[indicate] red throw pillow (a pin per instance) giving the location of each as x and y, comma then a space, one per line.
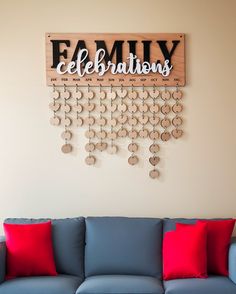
29, 250
219, 233
184, 253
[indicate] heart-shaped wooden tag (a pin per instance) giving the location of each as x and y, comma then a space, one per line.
65, 94
133, 121
154, 135
177, 121
89, 106
101, 95
89, 94
112, 122
55, 120
112, 135
143, 95
177, 94
143, 133
112, 149
143, 119
101, 108
101, 146
66, 148
90, 147
122, 119
154, 120
132, 95
112, 107
165, 109
122, 133
154, 160
132, 160
54, 106
101, 134
133, 134
154, 108
122, 93
132, 108
78, 108
111, 95
177, 108
133, 147
165, 95
143, 107
154, 148
154, 174
89, 134
90, 120
66, 108
165, 123
66, 121
154, 93
90, 160
165, 136
78, 121
66, 135
55, 94
122, 107
177, 133
101, 121
77, 95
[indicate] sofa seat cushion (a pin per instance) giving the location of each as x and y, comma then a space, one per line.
211, 285
61, 284
121, 284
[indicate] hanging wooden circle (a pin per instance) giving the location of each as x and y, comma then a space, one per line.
101, 95
154, 93
78, 108
165, 109
122, 133
112, 107
154, 135
90, 120
66, 108
177, 133
112, 135
90, 160
89, 94
177, 121
143, 108
55, 121
102, 108
121, 93
177, 94
154, 160
132, 95
78, 121
143, 133
133, 147
66, 135
89, 134
66, 148
154, 120
154, 148
66, 121
143, 94
101, 121
77, 94
133, 121
55, 95
133, 159
132, 108
143, 120
89, 106
133, 134
154, 108
65, 94
122, 119
165, 136
101, 134
54, 106
177, 107
165, 122
101, 146
154, 174
112, 149
90, 147
111, 95
112, 122
165, 95
122, 107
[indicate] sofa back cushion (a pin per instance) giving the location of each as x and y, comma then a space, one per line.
120, 245
68, 243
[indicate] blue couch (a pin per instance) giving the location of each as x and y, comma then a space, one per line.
101, 255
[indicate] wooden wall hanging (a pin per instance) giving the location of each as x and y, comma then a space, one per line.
117, 86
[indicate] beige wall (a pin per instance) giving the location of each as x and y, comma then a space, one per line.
198, 172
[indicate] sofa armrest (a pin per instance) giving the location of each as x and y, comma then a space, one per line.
2, 259
232, 260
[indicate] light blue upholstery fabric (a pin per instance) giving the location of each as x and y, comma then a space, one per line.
68, 243
232, 260
2, 259
211, 285
121, 284
121, 245
41, 285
